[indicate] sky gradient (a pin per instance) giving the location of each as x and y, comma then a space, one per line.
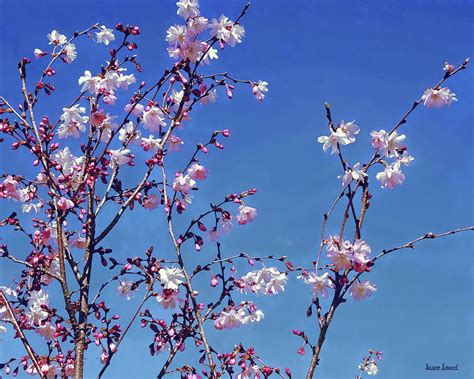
370, 60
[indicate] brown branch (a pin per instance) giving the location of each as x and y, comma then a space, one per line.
122, 336
189, 286
20, 333
408, 245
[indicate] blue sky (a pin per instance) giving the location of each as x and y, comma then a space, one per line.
369, 60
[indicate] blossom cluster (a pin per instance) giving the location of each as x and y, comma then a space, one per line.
183, 38
390, 145
266, 281
369, 364
346, 255
344, 134
233, 317
387, 145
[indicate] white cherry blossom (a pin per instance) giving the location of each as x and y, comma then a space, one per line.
105, 35
171, 277
56, 38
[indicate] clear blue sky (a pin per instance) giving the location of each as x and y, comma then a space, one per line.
370, 60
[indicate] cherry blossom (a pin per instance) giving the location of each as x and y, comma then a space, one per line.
246, 214
405, 159
129, 132
183, 183
70, 50
105, 35
267, 281
362, 290
188, 8
448, 67
97, 118
9, 188
168, 298
8, 291
78, 242
319, 284
354, 173
119, 157
351, 129
370, 368
259, 89
438, 97
46, 330
250, 372
171, 277
37, 302
233, 318
339, 253
136, 109
153, 119
379, 139
206, 55
73, 122
174, 143
211, 97
360, 252
337, 137
197, 24
226, 30
39, 53
197, 172
151, 202
114, 79
55, 38
394, 144
104, 357
89, 83
65, 204
388, 144
151, 143
126, 290
391, 176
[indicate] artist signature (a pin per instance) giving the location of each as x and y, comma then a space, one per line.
442, 367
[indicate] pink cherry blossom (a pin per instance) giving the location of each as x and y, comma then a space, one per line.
153, 119
233, 318
175, 143
354, 173
246, 214
65, 204
151, 202
391, 177
183, 183
135, 109
9, 188
197, 172
126, 290
259, 89
319, 284
188, 8
360, 252
438, 97
168, 298
362, 290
